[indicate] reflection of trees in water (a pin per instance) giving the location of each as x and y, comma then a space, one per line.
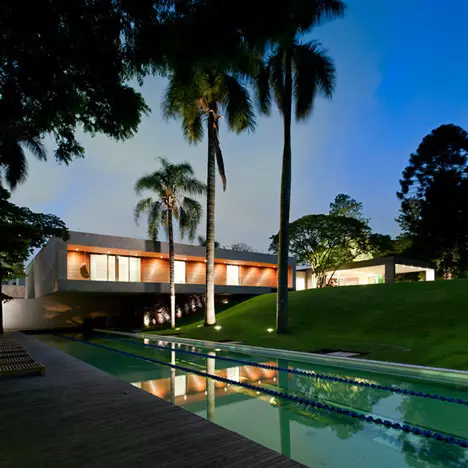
421, 452
431, 453
340, 394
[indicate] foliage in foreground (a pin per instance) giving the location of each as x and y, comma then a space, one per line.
21, 232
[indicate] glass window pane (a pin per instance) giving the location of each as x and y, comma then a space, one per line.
98, 265
232, 275
135, 267
111, 267
123, 268
179, 272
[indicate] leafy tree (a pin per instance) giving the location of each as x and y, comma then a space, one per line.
344, 205
200, 98
325, 242
65, 65
434, 192
21, 232
295, 71
171, 184
242, 247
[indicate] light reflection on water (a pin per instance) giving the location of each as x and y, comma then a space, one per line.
314, 438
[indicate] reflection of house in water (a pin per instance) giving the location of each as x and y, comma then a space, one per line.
193, 388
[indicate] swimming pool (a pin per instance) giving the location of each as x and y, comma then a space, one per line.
320, 416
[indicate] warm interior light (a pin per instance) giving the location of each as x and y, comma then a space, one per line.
76, 250
108, 251
185, 259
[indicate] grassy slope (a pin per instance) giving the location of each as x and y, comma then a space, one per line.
418, 323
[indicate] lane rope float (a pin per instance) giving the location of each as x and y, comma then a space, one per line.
296, 399
314, 375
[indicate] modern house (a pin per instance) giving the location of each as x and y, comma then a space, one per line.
93, 275
373, 271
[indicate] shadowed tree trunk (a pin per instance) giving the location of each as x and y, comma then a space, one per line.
210, 318
170, 229
1, 302
282, 320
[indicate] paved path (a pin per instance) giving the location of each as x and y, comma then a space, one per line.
79, 416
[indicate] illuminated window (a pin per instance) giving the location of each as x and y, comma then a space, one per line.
123, 269
180, 387
179, 272
232, 275
111, 267
98, 265
135, 269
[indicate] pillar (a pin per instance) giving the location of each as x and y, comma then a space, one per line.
390, 271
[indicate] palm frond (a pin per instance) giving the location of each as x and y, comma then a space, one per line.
314, 73
155, 218
263, 89
275, 65
237, 104
192, 126
141, 207
220, 160
190, 214
193, 186
152, 182
35, 146
14, 162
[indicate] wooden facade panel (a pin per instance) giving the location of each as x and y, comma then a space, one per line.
220, 272
154, 270
258, 276
75, 262
195, 272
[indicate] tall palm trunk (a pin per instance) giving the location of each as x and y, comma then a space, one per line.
283, 250
210, 318
170, 229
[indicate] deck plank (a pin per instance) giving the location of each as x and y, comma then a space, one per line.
79, 416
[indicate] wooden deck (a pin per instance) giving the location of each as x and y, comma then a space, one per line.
79, 416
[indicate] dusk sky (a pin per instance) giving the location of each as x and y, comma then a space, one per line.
402, 69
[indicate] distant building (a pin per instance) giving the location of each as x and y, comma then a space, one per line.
374, 271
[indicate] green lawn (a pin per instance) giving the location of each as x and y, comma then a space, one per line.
417, 323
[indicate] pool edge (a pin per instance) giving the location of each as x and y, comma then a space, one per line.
442, 375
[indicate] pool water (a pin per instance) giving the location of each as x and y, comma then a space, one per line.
314, 437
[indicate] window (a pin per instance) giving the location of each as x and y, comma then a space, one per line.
179, 272
232, 275
111, 267
123, 269
98, 267
135, 268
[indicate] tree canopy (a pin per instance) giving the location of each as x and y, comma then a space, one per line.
344, 205
65, 67
325, 242
434, 196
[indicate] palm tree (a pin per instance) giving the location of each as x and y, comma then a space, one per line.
295, 71
171, 184
201, 99
13, 162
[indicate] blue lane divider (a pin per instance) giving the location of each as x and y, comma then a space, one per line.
295, 399
314, 375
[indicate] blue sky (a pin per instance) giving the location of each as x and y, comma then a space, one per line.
402, 70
